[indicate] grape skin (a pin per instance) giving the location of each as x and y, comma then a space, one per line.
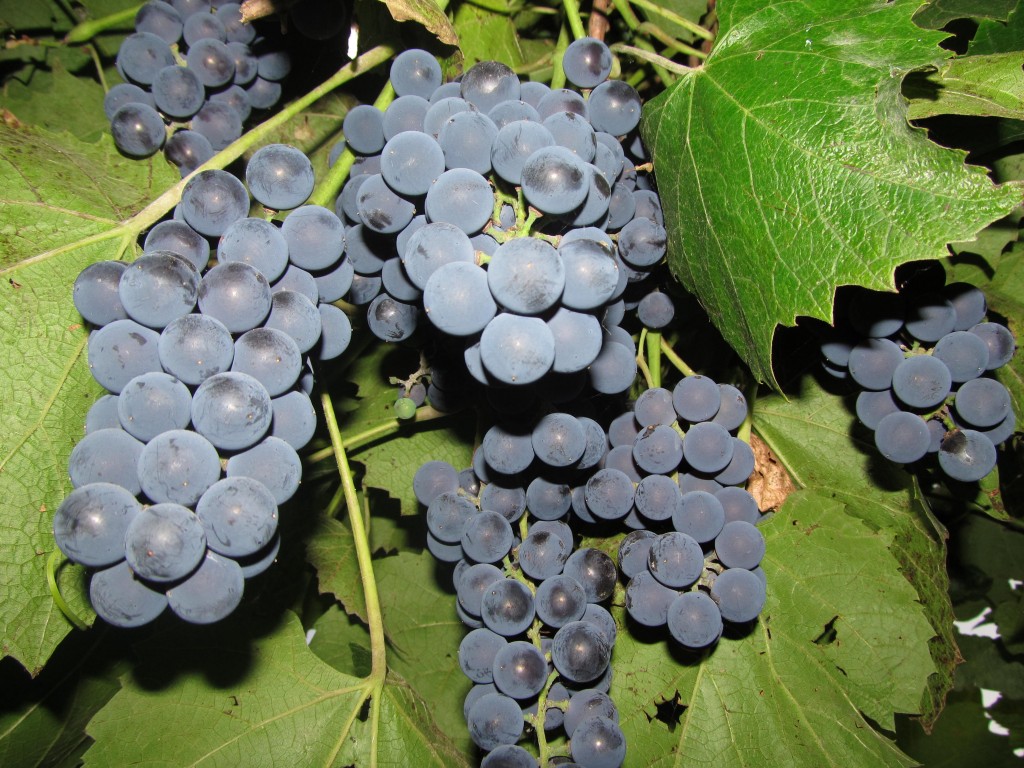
91, 521
164, 542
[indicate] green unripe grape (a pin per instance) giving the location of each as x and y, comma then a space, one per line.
405, 408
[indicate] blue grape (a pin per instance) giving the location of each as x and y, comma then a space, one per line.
561, 100
614, 369
929, 317
542, 555
707, 447
694, 620
555, 180
187, 150
983, 403
642, 243
487, 537
212, 200
1000, 342
270, 356
164, 542
507, 607
526, 276
120, 351
461, 197
609, 494
138, 130
159, 287
178, 92
211, 593
442, 109
512, 111
274, 463
573, 132
246, 67
494, 720
738, 504
902, 437
512, 755
232, 410
406, 113
103, 414
263, 94
160, 19
594, 570
614, 107
559, 440
598, 743
236, 294
367, 250
740, 595
336, 333
634, 552
466, 140
410, 162
239, 515
152, 403
294, 420
873, 406
91, 521
141, 56
520, 669
922, 381
120, 598
476, 654
588, 703
279, 176
334, 283
964, 353
178, 237
587, 62
533, 91
733, 410
274, 64
647, 600
294, 314
434, 478
448, 514
391, 320
236, 97
199, 26
415, 71
96, 294
676, 559
194, 347
396, 281
968, 302
488, 83
591, 274
220, 123
577, 337
656, 310
125, 93
514, 144
740, 545
298, 281
580, 652
657, 497
548, 500
364, 129
700, 514
475, 581
212, 61
431, 247
517, 350
740, 466
177, 467
380, 209
658, 449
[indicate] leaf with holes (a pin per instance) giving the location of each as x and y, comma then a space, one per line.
794, 170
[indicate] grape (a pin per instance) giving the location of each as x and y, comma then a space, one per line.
125, 93
236, 294
137, 129
573, 132
164, 542
211, 593
740, 467
738, 504
929, 317
708, 447
461, 197
968, 302
220, 123
300, 281
397, 283
456, 299
902, 437
694, 620
406, 113
873, 362
642, 243
475, 581
121, 599
676, 559
739, 593
658, 449
580, 652
237, 98
194, 347
106, 456
609, 494
447, 516
647, 600
586, 704
487, 537
274, 463
598, 743
696, 398
594, 570
872, 407
336, 333
578, 340
178, 92
488, 83
188, 150
334, 283
141, 56
279, 176
212, 200
510, 502
466, 139
410, 163
415, 72
239, 515
507, 607
513, 111
152, 403
294, 420
656, 310
876, 314
614, 369
964, 353
364, 129
559, 440
235, 30
90, 523
434, 478
270, 356
199, 26
295, 315
179, 238
689, 482
532, 91
441, 109
212, 61
493, 720
922, 381
587, 62
520, 669
700, 514
555, 180
431, 247
391, 320
591, 274
547, 500
526, 276
158, 287
380, 209
476, 654
512, 755
657, 497
246, 67
983, 403
103, 414
263, 94
178, 466
96, 294
542, 555
1000, 343
513, 144
740, 545
232, 410
517, 350
561, 100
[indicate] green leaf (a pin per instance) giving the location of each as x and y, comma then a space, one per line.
962, 730
487, 36
993, 36
342, 641
984, 86
794, 171
812, 435
425, 13
693, 10
332, 553
61, 206
234, 695
840, 621
52, 94
938, 13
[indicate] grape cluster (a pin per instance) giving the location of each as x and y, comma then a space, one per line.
185, 462
201, 69
924, 359
510, 216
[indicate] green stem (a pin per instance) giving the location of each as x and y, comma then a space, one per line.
378, 651
641, 358
87, 30
675, 18
558, 74
627, 13
666, 39
653, 58
58, 598
329, 186
676, 360
494, 7
542, 705
572, 15
376, 432
95, 56
654, 356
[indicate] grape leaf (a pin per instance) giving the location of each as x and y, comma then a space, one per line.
962, 730
812, 435
793, 169
995, 37
427, 14
52, 95
224, 697
985, 86
332, 553
487, 36
692, 10
938, 13
850, 632
57, 191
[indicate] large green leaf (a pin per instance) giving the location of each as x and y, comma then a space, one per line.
61, 205
936, 14
984, 86
812, 435
793, 169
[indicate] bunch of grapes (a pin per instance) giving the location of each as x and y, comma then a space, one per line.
178, 480
925, 359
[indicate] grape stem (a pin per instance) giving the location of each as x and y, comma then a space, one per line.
557, 73
650, 56
542, 705
641, 361
58, 599
675, 18
386, 428
675, 359
87, 30
572, 15
653, 30
654, 356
